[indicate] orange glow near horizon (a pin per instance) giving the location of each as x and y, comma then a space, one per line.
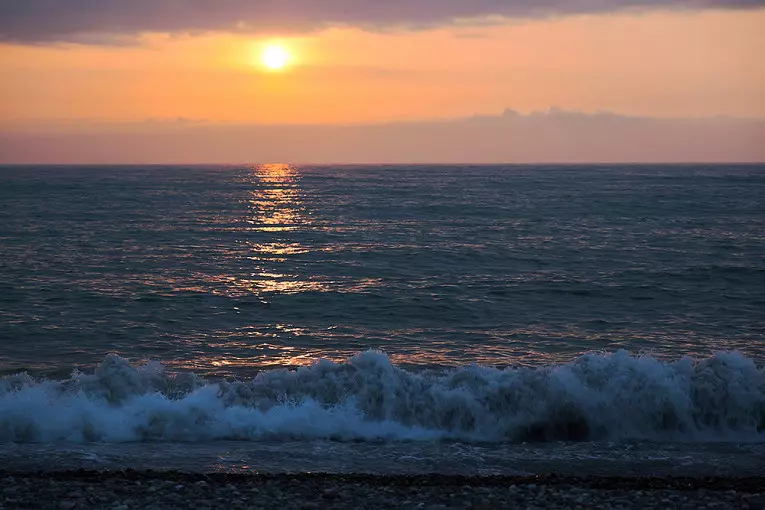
656, 64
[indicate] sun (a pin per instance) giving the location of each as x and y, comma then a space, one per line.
275, 57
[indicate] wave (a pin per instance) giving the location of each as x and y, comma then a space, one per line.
597, 397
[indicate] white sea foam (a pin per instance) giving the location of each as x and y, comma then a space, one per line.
615, 396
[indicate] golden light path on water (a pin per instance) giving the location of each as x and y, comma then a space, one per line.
279, 257
274, 208
228, 270
271, 238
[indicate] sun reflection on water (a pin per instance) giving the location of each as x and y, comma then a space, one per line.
269, 238
275, 203
276, 215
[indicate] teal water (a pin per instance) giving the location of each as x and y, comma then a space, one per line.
617, 306
227, 270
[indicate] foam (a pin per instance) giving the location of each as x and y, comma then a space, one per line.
598, 396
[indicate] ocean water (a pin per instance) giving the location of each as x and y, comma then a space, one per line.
487, 319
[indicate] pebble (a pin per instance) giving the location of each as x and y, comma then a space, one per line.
167, 490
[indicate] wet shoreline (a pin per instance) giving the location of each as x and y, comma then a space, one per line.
129, 489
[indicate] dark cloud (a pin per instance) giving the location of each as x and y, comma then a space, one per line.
30, 21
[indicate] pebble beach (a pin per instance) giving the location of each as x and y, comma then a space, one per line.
126, 490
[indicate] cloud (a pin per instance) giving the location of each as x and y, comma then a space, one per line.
36, 21
555, 136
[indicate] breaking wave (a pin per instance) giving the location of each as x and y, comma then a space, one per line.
616, 396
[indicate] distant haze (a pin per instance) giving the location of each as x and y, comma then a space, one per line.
554, 136
369, 81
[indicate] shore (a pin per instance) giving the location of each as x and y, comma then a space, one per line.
126, 490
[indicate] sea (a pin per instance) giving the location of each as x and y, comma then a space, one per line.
478, 320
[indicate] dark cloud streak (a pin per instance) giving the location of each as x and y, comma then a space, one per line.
39, 21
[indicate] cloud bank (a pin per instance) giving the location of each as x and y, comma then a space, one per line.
34, 21
556, 136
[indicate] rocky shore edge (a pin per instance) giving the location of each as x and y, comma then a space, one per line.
155, 490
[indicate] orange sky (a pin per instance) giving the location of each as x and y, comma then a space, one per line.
652, 64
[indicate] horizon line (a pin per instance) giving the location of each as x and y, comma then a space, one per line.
368, 164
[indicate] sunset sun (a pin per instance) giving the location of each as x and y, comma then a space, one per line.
431, 242
275, 57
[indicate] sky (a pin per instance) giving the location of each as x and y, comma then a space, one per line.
182, 81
